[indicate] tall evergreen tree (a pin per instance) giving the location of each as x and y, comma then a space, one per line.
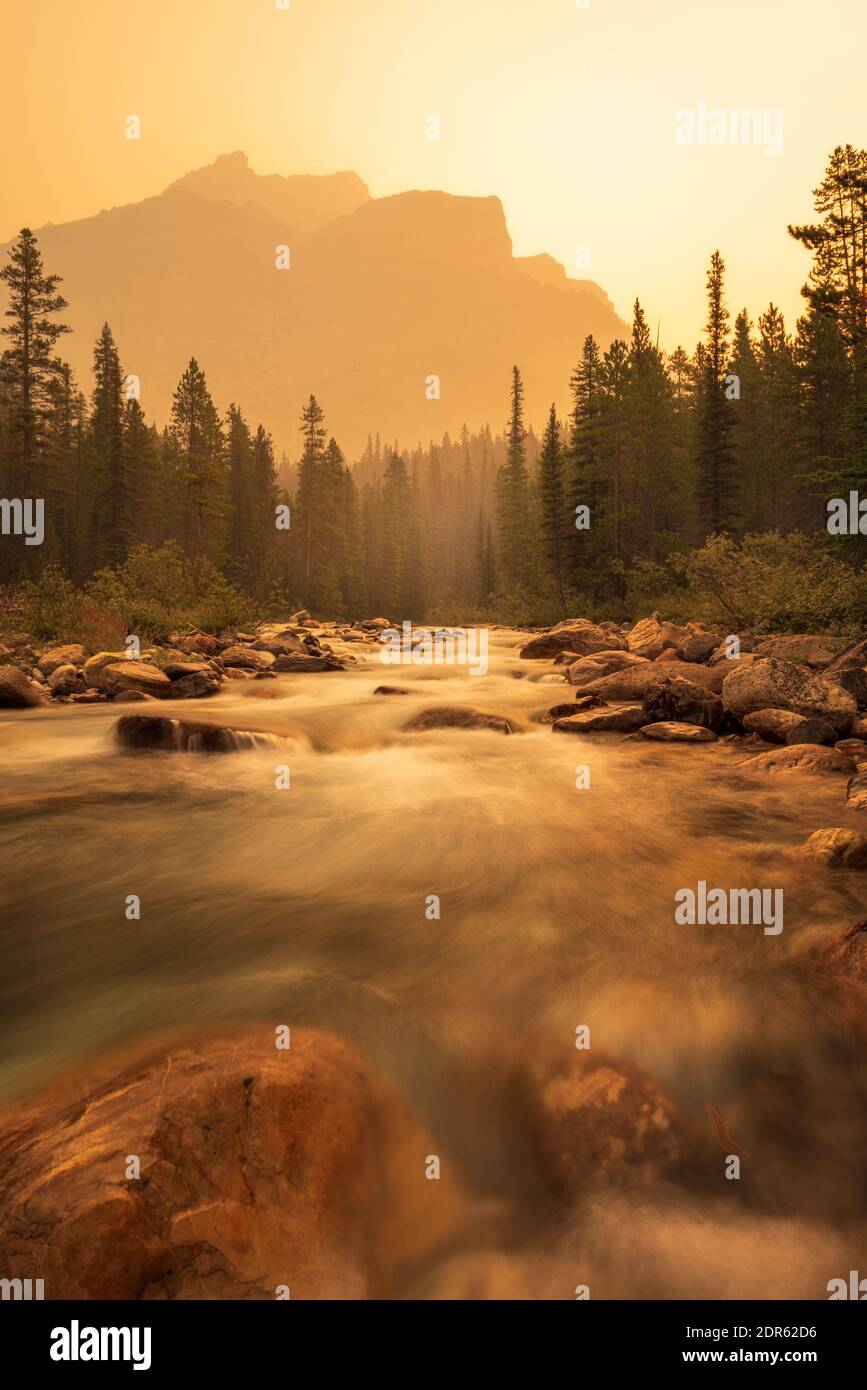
716, 472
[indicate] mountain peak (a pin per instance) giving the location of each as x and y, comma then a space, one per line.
303, 202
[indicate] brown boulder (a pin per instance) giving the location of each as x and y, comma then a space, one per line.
66, 680
838, 848
599, 1120
651, 636
592, 668
802, 757
678, 700
576, 635
457, 717
70, 655
260, 1169
768, 683
247, 658
634, 683
625, 720
674, 732
17, 692
802, 648
134, 675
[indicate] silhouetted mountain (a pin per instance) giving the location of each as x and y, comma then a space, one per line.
381, 295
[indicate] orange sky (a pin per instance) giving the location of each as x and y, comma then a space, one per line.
568, 114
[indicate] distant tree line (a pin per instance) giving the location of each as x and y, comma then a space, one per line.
748, 434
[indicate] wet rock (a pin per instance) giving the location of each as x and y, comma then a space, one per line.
375, 624
176, 670
845, 955
576, 706
134, 675
577, 635
768, 683
259, 1169
600, 1120
89, 697
301, 664
247, 658
457, 717
132, 697
652, 636
592, 668
200, 684
391, 690
141, 732
71, 655
637, 681
624, 720
838, 848
802, 757
17, 692
854, 655
94, 665
678, 700
856, 792
66, 680
859, 729
674, 732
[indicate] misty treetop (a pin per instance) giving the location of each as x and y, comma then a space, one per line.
746, 435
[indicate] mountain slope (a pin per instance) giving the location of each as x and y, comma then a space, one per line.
381, 294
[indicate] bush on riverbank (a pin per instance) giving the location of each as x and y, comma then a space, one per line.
156, 590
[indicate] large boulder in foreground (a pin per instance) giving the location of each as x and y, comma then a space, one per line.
259, 1169
768, 683
134, 675
682, 701
578, 635
17, 692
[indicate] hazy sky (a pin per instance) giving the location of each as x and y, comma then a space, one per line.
566, 113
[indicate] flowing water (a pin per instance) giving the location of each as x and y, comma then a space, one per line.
308, 905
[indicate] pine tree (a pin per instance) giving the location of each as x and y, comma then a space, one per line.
29, 368
197, 455
553, 503
716, 470
514, 530
111, 521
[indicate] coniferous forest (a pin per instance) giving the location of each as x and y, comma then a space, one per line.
700, 476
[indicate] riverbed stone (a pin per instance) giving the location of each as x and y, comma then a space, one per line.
671, 731
652, 636
599, 664
769, 683
802, 757
625, 719
837, 847
577, 635
679, 700
66, 680
17, 692
457, 717
72, 654
247, 658
260, 1169
134, 675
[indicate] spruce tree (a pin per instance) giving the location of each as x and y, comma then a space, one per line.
717, 490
